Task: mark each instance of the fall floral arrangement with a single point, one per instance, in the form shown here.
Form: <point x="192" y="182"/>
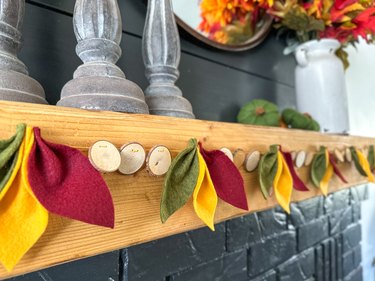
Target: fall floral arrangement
<point x="344" y="20"/>
<point x="229" y="21"/>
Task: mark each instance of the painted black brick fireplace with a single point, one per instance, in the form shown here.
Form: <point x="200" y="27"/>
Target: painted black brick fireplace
<point x="319" y="241"/>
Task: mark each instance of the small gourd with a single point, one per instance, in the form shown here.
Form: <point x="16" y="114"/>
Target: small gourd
<point x="297" y="120"/>
<point x="259" y="112"/>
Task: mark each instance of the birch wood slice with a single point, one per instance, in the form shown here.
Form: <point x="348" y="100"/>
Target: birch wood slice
<point x="227" y="152"/>
<point x="239" y="157"/>
<point x="348" y="155"/>
<point x="252" y="161"/>
<point x="339" y="155"/>
<point x="104" y="156"/>
<point x="309" y="158"/>
<point x="133" y="156"/>
<point x="300" y="158"/>
<point x="158" y="160"/>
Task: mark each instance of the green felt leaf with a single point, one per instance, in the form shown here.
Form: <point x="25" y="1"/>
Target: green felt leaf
<point x="318" y="166"/>
<point x="7" y="170"/>
<point x="356" y="162"/>
<point x="9" y="147"/>
<point x="267" y="170"/>
<point x="180" y="181"/>
<point x="259" y="112"/>
<point x="371" y="157"/>
<point x="298" y="120"/>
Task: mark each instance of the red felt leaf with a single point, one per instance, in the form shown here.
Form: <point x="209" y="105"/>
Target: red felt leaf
<point x="65" y="183"/>
<point x="297" y="182"/>
<point x="336" y="169"/>
<point x="226" y="178"/>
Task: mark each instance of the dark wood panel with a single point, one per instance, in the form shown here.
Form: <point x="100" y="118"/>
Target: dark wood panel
<point x="49" y="49"/>
<point x="216" y="92"/>
<point x="99" y="268"/>
<point x="66" y="6"/>
<point x="265" y="60"/>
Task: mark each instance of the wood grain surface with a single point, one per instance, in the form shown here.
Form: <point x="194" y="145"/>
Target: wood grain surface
<point x="137" y="197"/>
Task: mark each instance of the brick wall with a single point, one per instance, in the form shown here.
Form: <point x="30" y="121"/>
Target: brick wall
<point x="319" y="241"/>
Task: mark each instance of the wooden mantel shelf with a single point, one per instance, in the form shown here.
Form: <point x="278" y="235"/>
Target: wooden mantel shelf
<point x="137" y="198"/>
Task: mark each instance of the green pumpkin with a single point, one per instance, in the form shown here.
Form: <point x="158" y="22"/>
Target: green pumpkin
<point x="297" y="120"/>
<point x="259" y="112"/>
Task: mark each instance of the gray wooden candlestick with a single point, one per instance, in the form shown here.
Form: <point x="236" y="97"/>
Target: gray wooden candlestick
<point x="161" y="55"/>
<point x="99" y="84"/>
<point x="15" y="82"/>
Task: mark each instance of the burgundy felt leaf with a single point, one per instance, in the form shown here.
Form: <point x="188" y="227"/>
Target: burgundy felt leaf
<point x="65" y="183"/>
<point x="336" y="169"/>
<point x="226" y="178"/>
<point x="297" y="182"/>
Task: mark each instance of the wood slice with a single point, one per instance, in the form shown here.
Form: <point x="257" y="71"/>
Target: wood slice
<point x="239" y="157"/>
<point x="252" y="161"/>
<point x="227" y="152"/>
<point x="104" y="156"/>
<point x="309" y="158"/>
<point x="133" y="156"/>
<point x="348" y="155"/>
<point x="339" y="155"/>
<point x="300" y="158"/>
<point x="158" y="160"/>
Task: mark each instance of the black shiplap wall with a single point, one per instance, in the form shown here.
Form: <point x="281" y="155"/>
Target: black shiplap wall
<point x="230" y="79"/>
<point x="217" y="83"/>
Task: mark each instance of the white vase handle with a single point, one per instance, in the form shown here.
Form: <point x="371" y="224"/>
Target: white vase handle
<point x="301" y="57"/>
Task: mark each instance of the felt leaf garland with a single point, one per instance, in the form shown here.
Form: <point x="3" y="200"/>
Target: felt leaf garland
<point x="66" y="184"/>
<point x="22" y="218"/>
<point x="7" y="171"/>
<point x="204" y="196"/>
<point x="319" y="166"/>
<point x="297" y="182"/>
<point x="371" y="158"/>
<point x="283" y="183"/>
<point x="362" y="165"/>
<point x="267" y="170"/>
<point x="274" y="172"/>
<point x="9" y="155"/>
<point x="180" y="181"/>
<point x="336" y="169"/>
<point x="327" y="175"/>
<point x="322" y="169"/>
<point x="10" y="146"/>
<point x="358" y="166"/>
<point x="227" y="179"/>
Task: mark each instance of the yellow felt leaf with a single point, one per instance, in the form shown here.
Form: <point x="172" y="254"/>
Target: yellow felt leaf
<point x="204" y="196"/>
<point x="365" y="166"/>
<point x="283" y="183"/>
<point x="327" y="176"/>
<point x="22" y="218"/>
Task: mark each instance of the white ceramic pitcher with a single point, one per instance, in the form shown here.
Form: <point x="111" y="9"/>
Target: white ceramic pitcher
<point x="320" y="85"/>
